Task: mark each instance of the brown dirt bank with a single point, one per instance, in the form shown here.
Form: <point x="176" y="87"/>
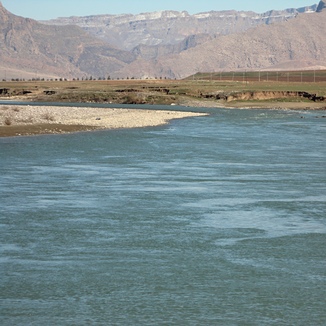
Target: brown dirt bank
<point x="271" y="99"/>
<point x="254" y="104"/>
<point x="159" y="91"/>
<point x="270" y="95"/>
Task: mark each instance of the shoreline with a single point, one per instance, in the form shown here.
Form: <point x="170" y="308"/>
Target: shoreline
<point x="28" y="120"/>
<point x="273" y="105"/>
<point x="20" y="120"/>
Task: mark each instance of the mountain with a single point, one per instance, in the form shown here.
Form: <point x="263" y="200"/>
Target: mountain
<point x="28" y="48"/>
<point x="295" y="44"/>
<point x="321" y="7"/>
<point x="162" y="44"/>
<point x="172" y="27"/>
<point x="156" y="34"/>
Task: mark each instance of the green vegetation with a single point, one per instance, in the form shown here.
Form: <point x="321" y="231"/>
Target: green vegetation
<point x="304" y="76"/>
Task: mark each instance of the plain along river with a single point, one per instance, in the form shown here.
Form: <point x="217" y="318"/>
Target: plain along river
<point x="215" y="220"/>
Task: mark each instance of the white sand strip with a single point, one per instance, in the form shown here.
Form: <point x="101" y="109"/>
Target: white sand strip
<point x="102" y="118"/>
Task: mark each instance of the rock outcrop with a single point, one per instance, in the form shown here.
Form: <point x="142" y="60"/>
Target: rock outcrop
<point x="321" y="6"/>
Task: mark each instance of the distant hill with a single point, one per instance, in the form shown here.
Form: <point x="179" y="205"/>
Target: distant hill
<point x="162" y="44"/>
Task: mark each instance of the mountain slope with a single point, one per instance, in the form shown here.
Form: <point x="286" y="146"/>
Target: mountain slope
<point x="29" y="49"/>
<point x="321" y="6"/>
<point x="54" y="51"/>
<point x="172" y="27"/>
<point x="295" y="44"/>
<point x="151" y="35"/>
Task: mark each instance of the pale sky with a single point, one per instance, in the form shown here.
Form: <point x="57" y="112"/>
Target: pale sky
<point x="47" y="9"/>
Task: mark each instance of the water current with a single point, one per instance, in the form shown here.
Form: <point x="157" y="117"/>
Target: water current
<point x="215" y="220"/>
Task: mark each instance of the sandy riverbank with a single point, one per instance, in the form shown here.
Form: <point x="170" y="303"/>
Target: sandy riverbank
<point x="18" y="120"/>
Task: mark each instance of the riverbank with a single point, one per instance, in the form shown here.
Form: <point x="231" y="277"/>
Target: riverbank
<point x="193" y="93"/>
<point x="275" y="105"/>
<point x="16" y="120"/>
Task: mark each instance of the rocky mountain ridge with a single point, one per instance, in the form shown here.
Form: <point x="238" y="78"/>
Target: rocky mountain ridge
<point x="296" y="44"/>
<point x="177" y="44"/>
<point x="172" y="27"/>
<point x="321" y="6"/>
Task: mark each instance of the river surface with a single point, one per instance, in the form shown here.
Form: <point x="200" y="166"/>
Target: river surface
<point x="215" y="220"/>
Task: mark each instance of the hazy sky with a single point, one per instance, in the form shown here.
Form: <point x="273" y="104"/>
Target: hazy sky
<point x="46" y="9"/>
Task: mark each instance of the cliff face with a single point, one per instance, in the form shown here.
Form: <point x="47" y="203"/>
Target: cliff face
<point x="172" y="27"/>
<point x="296" y="44"/>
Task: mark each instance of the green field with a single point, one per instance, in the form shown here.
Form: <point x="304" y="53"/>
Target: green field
<point x="304" y="76"/>
<point x="201" y="86"/>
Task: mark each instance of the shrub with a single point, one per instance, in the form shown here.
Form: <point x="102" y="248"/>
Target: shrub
<point x="49" y="117"/>
<point x="8" y="121"/>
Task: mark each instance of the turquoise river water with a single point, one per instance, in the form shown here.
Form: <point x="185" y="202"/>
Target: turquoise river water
<point x="215" y="220"/>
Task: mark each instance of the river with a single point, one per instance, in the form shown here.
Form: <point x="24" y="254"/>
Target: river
<point x="215" y="220"/>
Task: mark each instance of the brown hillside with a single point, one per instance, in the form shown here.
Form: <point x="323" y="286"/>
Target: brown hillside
<point x="27" y="46"/>
<point x="29" y="49"/>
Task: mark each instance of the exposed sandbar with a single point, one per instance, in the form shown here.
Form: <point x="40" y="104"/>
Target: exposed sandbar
<point x="16" y="120"/>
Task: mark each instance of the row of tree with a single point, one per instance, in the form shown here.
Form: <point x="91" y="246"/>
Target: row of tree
<point x="75" y="79"/>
